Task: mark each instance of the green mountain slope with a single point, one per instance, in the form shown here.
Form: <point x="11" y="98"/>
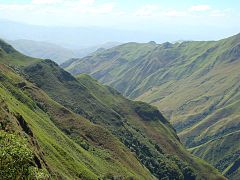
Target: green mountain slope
<point x="65" y="144"/>
<point x="79" y="129"/>
<point x="84" y="153"/>
<point x="139" y="126"/>
<point x="222" y="161"/>
<point x="195" y="84"/>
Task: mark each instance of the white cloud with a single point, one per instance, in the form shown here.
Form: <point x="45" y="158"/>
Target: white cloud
<point x="63" y="2"/>
<point x="104" y="8"/>
<point x="60" y="7"/>
<point x="222" y="13"/>
<point x="147" y="10"/>
<point x="79" y="2"/>
<point x="46" y="1"/>
<point x="174" y="13"/>
<point x="109" y="14"/>
<point x="218" y="13"/>
<point x="15" y="7"/>
<point x="200" y="8"/>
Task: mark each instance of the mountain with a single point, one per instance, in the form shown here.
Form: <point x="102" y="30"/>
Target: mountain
<point x="43" y="50"/>
<point x="59" y="54"/>
<point x="28" y="112"/>
<point x="74" y="37"/>
<point x="139" y="126"/>
<point x="82" y="52"/>
<point x="77" y="128"/>
<point x="10" y="56"/>
<point x="194" y="83"/>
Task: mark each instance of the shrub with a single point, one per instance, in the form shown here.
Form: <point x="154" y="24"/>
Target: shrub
<point x="16" y="159"/>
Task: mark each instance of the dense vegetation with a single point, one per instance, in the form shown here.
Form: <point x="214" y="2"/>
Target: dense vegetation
<point x="194" y="84"/>
<point x="16" y="159"/>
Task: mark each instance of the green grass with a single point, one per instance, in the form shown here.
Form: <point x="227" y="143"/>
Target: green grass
<point x="66" y="157"/>
<point x="80" y="129"/>
<point x="228" y="153"/>
<point x="194" y="84"/>
<point x="139" y="126"/>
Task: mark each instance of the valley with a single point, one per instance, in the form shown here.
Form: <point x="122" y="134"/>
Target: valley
<point x="119" y="90"/>
<point x="76" y="128"/>
<point x="195" y="84"/>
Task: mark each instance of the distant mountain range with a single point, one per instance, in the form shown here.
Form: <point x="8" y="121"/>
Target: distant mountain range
<point x="196" y="84"/>
<point x="59" y="54"/>
<point x="74" y="37"/>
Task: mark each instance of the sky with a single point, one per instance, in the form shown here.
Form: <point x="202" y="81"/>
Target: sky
<point x="206" y="19"/>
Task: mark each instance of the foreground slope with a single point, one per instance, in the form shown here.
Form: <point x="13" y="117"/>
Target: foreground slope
<point x="83" y="153"/>
<point x="66" y="145"/>
<point x="139" y="126"/>
<point x="195" y="84"/>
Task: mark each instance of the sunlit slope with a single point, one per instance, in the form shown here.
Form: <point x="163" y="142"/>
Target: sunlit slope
<point x="84" y="151"/>
<point x="194" y="84"/>
<point x="67" y="145"/>
<point x="139" y="126"/>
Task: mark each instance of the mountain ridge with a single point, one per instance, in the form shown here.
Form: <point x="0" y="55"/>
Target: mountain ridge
<point x="194" y="83"/>
<point x="59" y="54"/>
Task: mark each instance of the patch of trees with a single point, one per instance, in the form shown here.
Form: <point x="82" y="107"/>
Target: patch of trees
<point x="161" y="165"/>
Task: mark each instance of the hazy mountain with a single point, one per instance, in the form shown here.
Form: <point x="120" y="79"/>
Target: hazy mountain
<point x="194" y="83"/>
<point x="88" y="50"/>
<point x="45" y="50"/>
<point x="71" y="37"/>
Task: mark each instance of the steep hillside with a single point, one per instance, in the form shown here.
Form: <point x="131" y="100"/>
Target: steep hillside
<point x="66" y="145"/>
<point x="195" y="84"/>
<point x="226" y="162"/>
<point x="139" y="126"/>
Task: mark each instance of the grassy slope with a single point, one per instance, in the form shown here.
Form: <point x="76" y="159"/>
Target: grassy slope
<point x="139" y="126"/>
<point x="195" y="84"/>
<point x="227" y="144"/>
<point x="153" y="129"/>
<point x="64" y="157"/>
<point x="84" y="151"/>
<point x="8" y="55"/>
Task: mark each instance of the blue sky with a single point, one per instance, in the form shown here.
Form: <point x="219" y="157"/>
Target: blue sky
<point x="196" y="19"/>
